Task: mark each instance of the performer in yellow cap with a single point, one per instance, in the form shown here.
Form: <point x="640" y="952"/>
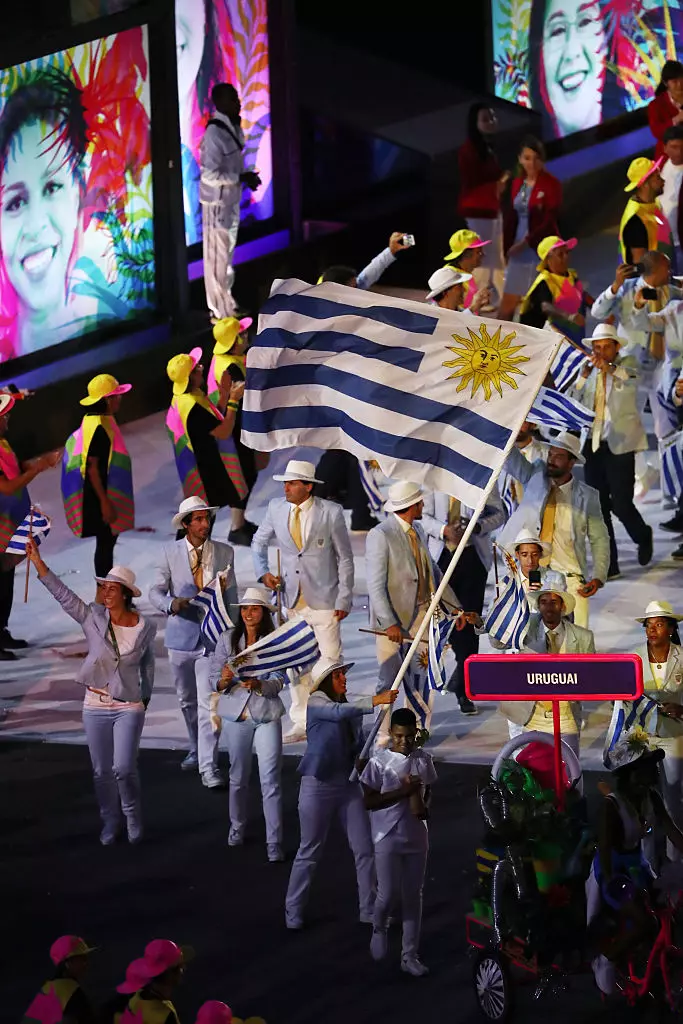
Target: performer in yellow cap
<point x="201" y="434"/>
<point x="557" y="293"/>
<point x="643" y="226"/>
<point x="467" y="255"/>
<point x="97" y="480"/>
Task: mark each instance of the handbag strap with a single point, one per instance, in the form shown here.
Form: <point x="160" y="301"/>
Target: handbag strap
<point x="114" y="641"/>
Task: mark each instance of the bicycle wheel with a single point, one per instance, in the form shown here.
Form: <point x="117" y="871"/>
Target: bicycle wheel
<point x="492" y="986"/>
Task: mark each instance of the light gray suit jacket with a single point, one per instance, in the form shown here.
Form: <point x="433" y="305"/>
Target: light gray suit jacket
<point x="671" y="692"/>
<point x="264" y="705"/>
<point x="323" y="569"/>
<point x="392" y="575"/>
<point x="625" y="431"/>
<point x="588" y="526"/>
<point x="173" y="578"/>
<point x="577" y="641"/>
<point x="435" y="517"/>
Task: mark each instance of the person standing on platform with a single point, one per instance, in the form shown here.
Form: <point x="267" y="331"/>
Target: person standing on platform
<point x="482" y="184"/>
<point x="97" y="479"/>
<point x="186" y="567"/>
<point x="666" y="109"/>
<point x="118" y="676"/>
<point x="467" y="255"/>
<point x="397" y="785"/>
<point x="642" y="227"/>
<point x="317" y="569"/>
<point x="201" y="434"/>
<point x="608" y="386"/>
<point x="557" y="290"/>
<point x="63" y="998"/>
<point x="252" y="712"/>
<point x="565" y="513"/>
<point x="335" y="740"/>
<point x="15" y="505"/>
<point x="444" y="520"/>
<point x="222" y="177"/>
<point x="228" y="367"/>
<point x="670" y="200"/>
<point x="529" y="217"/>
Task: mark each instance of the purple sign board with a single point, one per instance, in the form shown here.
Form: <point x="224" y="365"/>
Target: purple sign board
<point x="554" y="677"/>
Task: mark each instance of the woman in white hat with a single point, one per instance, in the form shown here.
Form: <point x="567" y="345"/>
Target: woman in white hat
<point x="252" y="711"/>
<point x="662" y="658"/>
<point x="118" y="676"/>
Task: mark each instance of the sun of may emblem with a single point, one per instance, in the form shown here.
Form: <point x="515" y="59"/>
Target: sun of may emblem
<point x="485" y="361"/>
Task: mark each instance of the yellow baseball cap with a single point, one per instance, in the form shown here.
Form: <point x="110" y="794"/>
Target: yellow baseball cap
<point x="550" y="243"/>
<point x="640" y="169"/>
<point x="227" y="331"/>
<point x="462" y="240"/>
<point x="104" y="386"/>
<point x="180" y="367"/>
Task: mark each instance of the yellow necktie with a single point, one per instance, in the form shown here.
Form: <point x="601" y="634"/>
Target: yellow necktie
<point x="600" y="406"/>
<point x="419" y="562"/>
<point x="552" y="643"/>
<point x="656" y="339"/>
<point x="454" y="513"/>
<point x="295" y="527"/>
<point x="548" y="523"/>
<point x="197" y="568"/>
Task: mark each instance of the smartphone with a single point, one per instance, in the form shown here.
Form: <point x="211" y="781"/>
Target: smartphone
<point x="638" y="268"/>
<point x="409" y="239"/>
<point x="534" y="575"/>
<point x="649" y="293"/>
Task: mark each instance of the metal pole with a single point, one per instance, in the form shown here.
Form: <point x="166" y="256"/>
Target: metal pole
<point x="559" y="774"/>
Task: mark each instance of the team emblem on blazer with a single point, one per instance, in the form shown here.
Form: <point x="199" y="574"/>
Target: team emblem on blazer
<point x="485" y="361"/>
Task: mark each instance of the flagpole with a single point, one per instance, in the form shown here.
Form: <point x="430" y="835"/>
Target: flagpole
<point x="445" y="579"/>
<point x="28" y="560"/>
<point x="278" y="592"/>
<point x="495" y="568"/>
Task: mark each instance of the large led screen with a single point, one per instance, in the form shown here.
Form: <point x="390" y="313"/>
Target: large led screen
<point x="224" y="41"/>
<point x="76" y="227"/>
<point x="579" y="62"/>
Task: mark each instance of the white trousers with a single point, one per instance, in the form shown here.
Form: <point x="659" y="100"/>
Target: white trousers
<point x="572" y="739"/>
<point x="265" y="740"/>
<point x="220" y="224"/>
<point x="400" y="867"/>
<point x="190" y="673"/>
<point x="328" y="634"/>
<point x="492" y="270"/>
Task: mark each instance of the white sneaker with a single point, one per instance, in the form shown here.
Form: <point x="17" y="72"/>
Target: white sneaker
<point x="379" y="945"/>
<point x="412" y="964"/>
<point x="213" y="779"/>
<point x="235" y="837"/>
<point x="603" y="972"/>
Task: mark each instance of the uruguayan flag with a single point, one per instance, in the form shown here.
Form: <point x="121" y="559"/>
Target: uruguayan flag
<point x="553" y="409"/>
<point x="367" y="478"/>
<point x="671" y="452"/>
<point x="291" y="646"/>
<point x="509" y="492"/>
<point x="507" y="620"/>
<point x="216" y="617"/>
<point x="566" y="365"/>
<point x="439" y="632"/>
<point x="37" y="525"/>
<point x="419" y="694"/>
<point x="433" y="395"/>
<point x="667" y="404"/>
<point x="628" y="715"/>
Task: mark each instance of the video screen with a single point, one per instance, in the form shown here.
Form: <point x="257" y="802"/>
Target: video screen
<point x="224" y="41"/>
<point x="578" y="62"/>
<point x="76" y="221"/>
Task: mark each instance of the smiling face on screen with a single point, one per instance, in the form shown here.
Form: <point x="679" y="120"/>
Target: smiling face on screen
<point x="39" y="211"/>
<point x="574" y="53"/>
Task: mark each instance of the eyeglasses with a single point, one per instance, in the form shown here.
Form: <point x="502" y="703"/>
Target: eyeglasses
<point x="587" y="24"/>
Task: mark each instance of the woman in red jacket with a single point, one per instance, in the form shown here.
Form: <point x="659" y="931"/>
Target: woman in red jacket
<point x="666" y="109"/>
<point x="530" y="216"/>
<point x="481" y="186"/>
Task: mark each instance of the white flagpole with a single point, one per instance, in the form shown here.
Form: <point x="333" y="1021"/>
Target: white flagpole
<point x="450" y="570"/>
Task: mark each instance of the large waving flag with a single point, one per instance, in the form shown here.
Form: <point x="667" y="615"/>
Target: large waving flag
<point x="507" y="620"/>
<point x="216" y="616"/>
<point x="433" y="395"/>
<point x="629" y="715"/>
<point x="439" y="632"/>
<point x="36" y="524"/>
<point x="671" y="452"/>
<point x="292" y="646"/>
<point x="370" y="486"/>
<point x="553" y="409"/>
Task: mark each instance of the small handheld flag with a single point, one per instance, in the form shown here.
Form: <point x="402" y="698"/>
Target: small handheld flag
<point x="36" y="525"/>
<point x="507" y="620"/>
<point x="367" y="478"/>
<point x="291" y="646"/>
<point x="671" y="451"/>
<point x="216" y="617"/>
<point x="439" y="632"/>
<point x="553" y="409"/>
<point x="628" y="715"/>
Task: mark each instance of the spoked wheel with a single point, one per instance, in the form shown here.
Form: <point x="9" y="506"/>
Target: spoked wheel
<point x="492" y="986"/>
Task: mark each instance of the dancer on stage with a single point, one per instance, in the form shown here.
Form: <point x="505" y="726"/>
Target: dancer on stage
<point x="97" y="480"/>
<point x="201" y="435"/>
<point x="15" y="505"/>
<point x="118" y="676"/>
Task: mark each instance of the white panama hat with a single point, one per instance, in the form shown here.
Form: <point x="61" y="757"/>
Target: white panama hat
<point x="125" y="577"/>
<point x="256" y="595"/>
<point x="187" y="507"/>
<point x="555" y="583"/>
<point x="527" y="536"/>
<point x="297" y="469"/>
<point x="659" y="610"/>
<point x="568" y="442"/>
<point x="402" y="495"/>
<point x="325" y="667"/>
<point x="445" y="278"/>
<point x="605" y="332"/>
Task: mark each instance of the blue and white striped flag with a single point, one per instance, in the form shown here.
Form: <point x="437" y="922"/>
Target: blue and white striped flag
<point x="509" y="492"/>
<point x="507" y="620"/>
<point x="372" y="491"/>
<point x="439" y="632"/>
<point x="667" y="404"/>
<point x="671" y="453"/>
<point x="292" y="646"/>
<point x="567" y="364"/>
<point x="216" y="616"/>
<point x="419" y="694"/>
<point x="628" y="715"/>
<point x="435" y="396"/>
<point x="38" y="525"/>
<point x="553" y="409"/>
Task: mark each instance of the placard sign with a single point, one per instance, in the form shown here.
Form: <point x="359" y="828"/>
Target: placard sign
<point x="554" y="677"/>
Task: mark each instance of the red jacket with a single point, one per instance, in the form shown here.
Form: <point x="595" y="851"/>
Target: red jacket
<point x="660" y="113"/>
<point x="544" y="206"/>
<point x="478" y="196"/>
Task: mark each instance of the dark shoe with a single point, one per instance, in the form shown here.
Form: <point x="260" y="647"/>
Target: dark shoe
<point x="614" y="572"/>
<point x="674" y="525"/>
<point x="467" y="707"/>
<point x="363" y="525"/>
<point x="241" y="537"/>
<point x="190" y="763"/>
<point x="8" y="656"/>
<point x="678" y="554"/>
<point x="251" y="527"/>
<point x="645" y="549"/>
<point x="10" y="643"/>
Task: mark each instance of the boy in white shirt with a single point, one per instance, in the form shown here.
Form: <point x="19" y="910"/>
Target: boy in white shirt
<point x="396" y="783"/>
